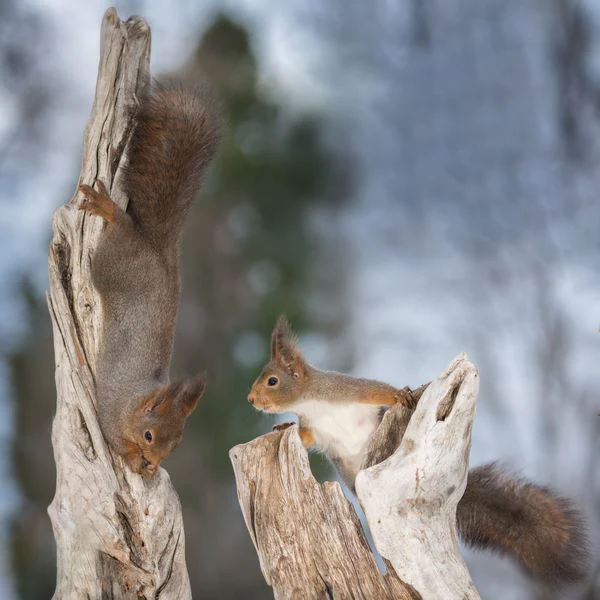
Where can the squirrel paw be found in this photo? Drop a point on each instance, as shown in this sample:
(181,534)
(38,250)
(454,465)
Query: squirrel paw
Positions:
(405,397)
(282,426)
(98,202)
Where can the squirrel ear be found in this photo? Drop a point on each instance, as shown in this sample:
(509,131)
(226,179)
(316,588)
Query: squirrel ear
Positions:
(191,393)
(161,401)
(281,333)
(284,349)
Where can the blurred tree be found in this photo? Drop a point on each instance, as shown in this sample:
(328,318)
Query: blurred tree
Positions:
(27,87)
(254,252)
(254,247)
(25,82)
(32,369)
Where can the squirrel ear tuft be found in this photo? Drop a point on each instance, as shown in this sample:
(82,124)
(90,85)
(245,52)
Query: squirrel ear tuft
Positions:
(192,392)
(284,349)
(282,334)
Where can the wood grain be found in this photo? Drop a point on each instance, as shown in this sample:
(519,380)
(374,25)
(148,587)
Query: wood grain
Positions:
(117,535)
(410,498)
(308,538)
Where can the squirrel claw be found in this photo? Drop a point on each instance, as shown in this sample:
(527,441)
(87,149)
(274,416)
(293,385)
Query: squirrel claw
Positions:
(99,184)
(97,202)
(283,426)
(404,396)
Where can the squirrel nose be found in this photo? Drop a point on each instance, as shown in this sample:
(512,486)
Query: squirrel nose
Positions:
(251,399)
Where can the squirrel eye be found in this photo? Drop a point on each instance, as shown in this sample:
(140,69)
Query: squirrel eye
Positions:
(148,436)
(272,381)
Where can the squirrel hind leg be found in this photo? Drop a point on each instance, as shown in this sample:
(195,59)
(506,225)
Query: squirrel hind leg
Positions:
(97,201)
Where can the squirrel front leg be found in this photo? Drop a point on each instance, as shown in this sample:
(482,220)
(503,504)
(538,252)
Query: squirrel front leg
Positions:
(384,395)
(306,435)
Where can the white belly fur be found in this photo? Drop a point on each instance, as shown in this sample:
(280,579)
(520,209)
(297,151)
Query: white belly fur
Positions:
(340,430)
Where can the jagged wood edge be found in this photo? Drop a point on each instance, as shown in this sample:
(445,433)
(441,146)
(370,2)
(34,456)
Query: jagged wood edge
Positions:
(410,498)
(307,535)
(117,535)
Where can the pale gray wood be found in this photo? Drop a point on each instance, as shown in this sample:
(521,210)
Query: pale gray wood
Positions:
(308,538)
(384,441)
(410,498)
(307,535)
(117,535)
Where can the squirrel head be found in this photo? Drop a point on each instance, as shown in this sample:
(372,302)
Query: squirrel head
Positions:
(283,379)
(158,424)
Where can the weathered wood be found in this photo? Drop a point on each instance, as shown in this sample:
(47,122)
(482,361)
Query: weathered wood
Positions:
(410,499)
(384,441)
(307,535)
(117,535)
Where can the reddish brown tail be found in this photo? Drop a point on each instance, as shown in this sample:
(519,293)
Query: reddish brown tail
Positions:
(174,140)
(545,533)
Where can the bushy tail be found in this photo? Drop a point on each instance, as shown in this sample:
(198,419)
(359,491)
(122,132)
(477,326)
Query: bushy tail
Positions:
(174,140)
(543,532)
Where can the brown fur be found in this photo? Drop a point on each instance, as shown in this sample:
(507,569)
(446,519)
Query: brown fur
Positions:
(174,140)
(498,511)
(544,532)
(136,272)
(297,380)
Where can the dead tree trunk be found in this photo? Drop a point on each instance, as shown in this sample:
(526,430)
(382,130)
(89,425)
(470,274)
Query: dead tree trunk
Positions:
(117,535)
(307,535)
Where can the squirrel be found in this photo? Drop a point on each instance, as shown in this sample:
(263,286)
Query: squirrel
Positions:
(135,269)
(337,415)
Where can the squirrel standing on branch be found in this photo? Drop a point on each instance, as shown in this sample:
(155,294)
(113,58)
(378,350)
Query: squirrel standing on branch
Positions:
(135,270)
(337,415)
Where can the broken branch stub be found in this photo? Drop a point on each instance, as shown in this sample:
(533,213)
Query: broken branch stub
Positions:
(410,499)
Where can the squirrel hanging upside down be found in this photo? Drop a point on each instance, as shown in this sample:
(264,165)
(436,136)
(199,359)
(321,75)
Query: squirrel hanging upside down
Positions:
(135,270)
(337,415)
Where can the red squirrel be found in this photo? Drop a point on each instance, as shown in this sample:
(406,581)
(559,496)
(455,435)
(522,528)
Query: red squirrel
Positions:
(337,415)
(135,270)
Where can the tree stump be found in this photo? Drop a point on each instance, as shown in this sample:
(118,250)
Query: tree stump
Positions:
(308,538)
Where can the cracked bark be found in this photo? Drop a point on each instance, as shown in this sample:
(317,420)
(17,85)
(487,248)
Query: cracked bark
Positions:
(307,535)
(117,535)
